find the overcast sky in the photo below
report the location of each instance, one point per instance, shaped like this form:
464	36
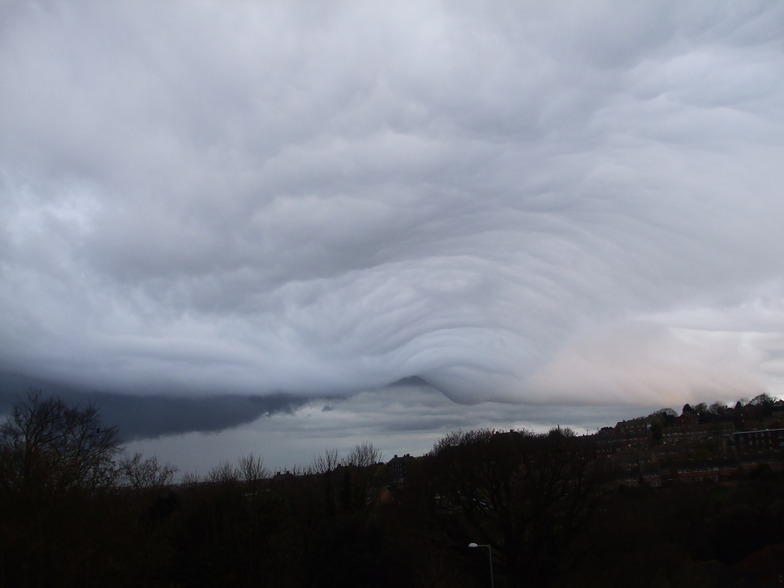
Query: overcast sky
550	204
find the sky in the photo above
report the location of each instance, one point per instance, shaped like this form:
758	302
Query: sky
256	226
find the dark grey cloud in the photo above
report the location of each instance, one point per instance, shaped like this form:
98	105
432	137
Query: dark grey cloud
515	202
154	416
144	417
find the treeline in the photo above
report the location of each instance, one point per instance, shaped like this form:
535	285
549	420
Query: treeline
742	414
76	511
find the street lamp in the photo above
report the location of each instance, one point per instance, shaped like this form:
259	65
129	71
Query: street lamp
489	558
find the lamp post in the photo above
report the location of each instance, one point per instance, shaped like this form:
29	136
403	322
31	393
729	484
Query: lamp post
489	558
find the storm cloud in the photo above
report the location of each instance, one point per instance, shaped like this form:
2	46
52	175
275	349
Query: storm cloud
514	201
154	416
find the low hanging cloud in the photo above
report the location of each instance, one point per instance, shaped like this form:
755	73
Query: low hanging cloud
154	416
516	202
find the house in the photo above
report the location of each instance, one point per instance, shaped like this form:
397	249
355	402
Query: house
635	433
650	474
691	472
687	433
759	440
397	468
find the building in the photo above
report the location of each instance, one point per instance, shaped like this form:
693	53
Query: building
689	433
758	441
397	468
635	433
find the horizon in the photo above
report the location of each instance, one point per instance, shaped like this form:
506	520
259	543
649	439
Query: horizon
307	431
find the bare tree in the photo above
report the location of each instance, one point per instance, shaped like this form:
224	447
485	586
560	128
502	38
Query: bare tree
363	455
46	444
223	473
326	462
360	477
141	473
190	479
251	470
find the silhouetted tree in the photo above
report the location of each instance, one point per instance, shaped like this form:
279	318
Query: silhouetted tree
363	455
251	469
326	462
521	492
48	445
145	473
223	473
60	522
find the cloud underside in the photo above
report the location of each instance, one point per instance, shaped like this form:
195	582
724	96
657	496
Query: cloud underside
521	202
154	416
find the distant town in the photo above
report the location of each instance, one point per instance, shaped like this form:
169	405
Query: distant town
704	443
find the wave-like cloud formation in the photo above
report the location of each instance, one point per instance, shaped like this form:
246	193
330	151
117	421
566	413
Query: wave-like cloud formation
522	201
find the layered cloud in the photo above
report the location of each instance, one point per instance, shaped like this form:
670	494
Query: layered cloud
519	202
